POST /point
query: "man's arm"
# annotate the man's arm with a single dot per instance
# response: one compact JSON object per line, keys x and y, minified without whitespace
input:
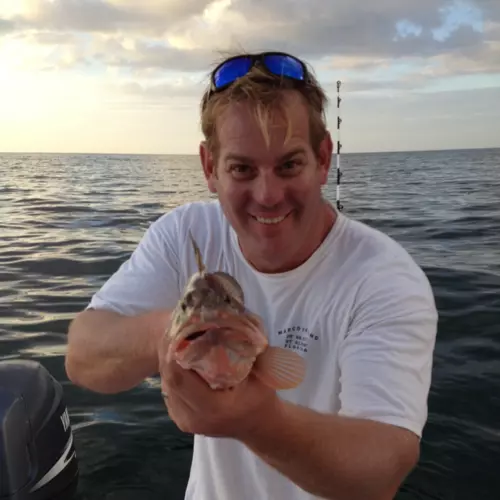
{"x":334,"y":457}
{"x":109,"y":352}
{"x":113,"y":345}
{"x":366,"y":450}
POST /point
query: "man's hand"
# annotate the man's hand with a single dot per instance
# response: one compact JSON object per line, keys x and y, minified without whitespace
{"x":198,"y":409}
{"x":326,"y":455}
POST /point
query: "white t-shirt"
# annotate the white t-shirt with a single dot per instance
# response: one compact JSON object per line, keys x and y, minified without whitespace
{"x":360,"y":311}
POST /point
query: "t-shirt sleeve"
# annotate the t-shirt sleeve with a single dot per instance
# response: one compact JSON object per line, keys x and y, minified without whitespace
{"x":149,"y":278}
{"x":386,"y":357}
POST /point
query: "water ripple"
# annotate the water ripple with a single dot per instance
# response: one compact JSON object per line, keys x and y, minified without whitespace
{"x":68,"y":221}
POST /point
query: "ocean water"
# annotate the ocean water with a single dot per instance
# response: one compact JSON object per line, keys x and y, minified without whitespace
{"x":68,"y":221}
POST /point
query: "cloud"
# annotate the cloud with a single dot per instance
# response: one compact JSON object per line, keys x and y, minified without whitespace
{"x":92,"y":16}
{"x":377,"y":29}
{"x":161,"y":92}
{"x":6,"y":26}
{"x":51,"y":38}
{"x":62,"y":15}
{"x":136,"y":53}
{"x":391,"y":44}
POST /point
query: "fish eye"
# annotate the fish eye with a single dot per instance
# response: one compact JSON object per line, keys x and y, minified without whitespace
{"x":188,"y":300}
{"x":184,"y":306}
{"x":227,"y":299}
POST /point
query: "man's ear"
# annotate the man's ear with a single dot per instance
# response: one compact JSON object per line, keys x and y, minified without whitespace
{"x":325,"y":157}
{"x":209,"y":167}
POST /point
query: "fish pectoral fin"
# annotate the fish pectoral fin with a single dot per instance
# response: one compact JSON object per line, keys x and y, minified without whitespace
{"x":280,"y":368}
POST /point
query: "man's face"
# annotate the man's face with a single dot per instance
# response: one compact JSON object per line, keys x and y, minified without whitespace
{"x":271,"y":195}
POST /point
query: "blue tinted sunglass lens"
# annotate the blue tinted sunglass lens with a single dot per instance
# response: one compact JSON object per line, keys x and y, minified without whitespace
{"x":284,"y":66}
{"x":231,"y":70}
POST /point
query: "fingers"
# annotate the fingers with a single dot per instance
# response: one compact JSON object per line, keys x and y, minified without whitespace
{"x":178,"y":411}
{"x":173,"y":376}
{"x":165,"y":352}
{"x":187,"y":386}
{"x":183,"y":381}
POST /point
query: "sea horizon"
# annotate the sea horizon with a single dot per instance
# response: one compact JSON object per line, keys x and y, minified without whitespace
{"x":342,"y":152}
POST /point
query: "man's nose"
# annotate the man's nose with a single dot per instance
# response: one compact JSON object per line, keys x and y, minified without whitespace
{"x":268,"y":190}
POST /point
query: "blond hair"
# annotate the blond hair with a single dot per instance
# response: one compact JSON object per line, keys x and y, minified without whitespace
{"x":266,"y":93}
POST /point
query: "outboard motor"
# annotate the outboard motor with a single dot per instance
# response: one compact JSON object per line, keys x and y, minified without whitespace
{"x":37,"y":454}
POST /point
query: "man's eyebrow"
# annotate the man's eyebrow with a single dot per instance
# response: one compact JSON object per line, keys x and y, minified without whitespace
{"x":292,"y":153}
{"x":238,"y":157}
{"x":250,"y":161}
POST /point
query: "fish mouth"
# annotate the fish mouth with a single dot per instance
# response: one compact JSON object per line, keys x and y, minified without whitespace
{"x":197,"y":330}
{"x":190,"y":334}
{"x":195,"y":335}
{"x":196,"y":326}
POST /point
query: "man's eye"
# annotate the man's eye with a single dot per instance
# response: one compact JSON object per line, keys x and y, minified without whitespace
{"x":241,"y":170}
{"x":290,"y":167}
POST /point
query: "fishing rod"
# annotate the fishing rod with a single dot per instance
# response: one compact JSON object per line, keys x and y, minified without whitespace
{"x":339,"y":146}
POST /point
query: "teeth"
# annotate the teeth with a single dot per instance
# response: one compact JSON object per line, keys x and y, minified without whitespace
{"x":273,"y":220}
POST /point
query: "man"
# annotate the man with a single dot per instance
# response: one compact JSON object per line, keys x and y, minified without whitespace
{"x":349,"y":299}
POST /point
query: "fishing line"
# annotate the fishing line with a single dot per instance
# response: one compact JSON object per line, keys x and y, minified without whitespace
{"x":340,"y":207}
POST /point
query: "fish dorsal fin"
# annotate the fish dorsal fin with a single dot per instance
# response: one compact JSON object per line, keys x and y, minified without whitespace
{"x":280,"y":368}
{"x":197,"y":254}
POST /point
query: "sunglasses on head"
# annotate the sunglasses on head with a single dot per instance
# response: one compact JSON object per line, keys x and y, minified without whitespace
{"x":276,"y":63}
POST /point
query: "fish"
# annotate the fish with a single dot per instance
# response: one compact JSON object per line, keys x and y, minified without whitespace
{"x":212,"y":332}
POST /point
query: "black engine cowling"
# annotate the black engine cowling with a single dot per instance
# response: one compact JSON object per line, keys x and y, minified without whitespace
{"x":37,"y":454}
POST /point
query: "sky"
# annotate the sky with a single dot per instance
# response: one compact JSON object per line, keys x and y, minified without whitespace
{"x":126,"y":76}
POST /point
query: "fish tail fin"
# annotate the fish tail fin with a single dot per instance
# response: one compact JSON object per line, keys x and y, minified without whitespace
{"x":280,"y":368}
